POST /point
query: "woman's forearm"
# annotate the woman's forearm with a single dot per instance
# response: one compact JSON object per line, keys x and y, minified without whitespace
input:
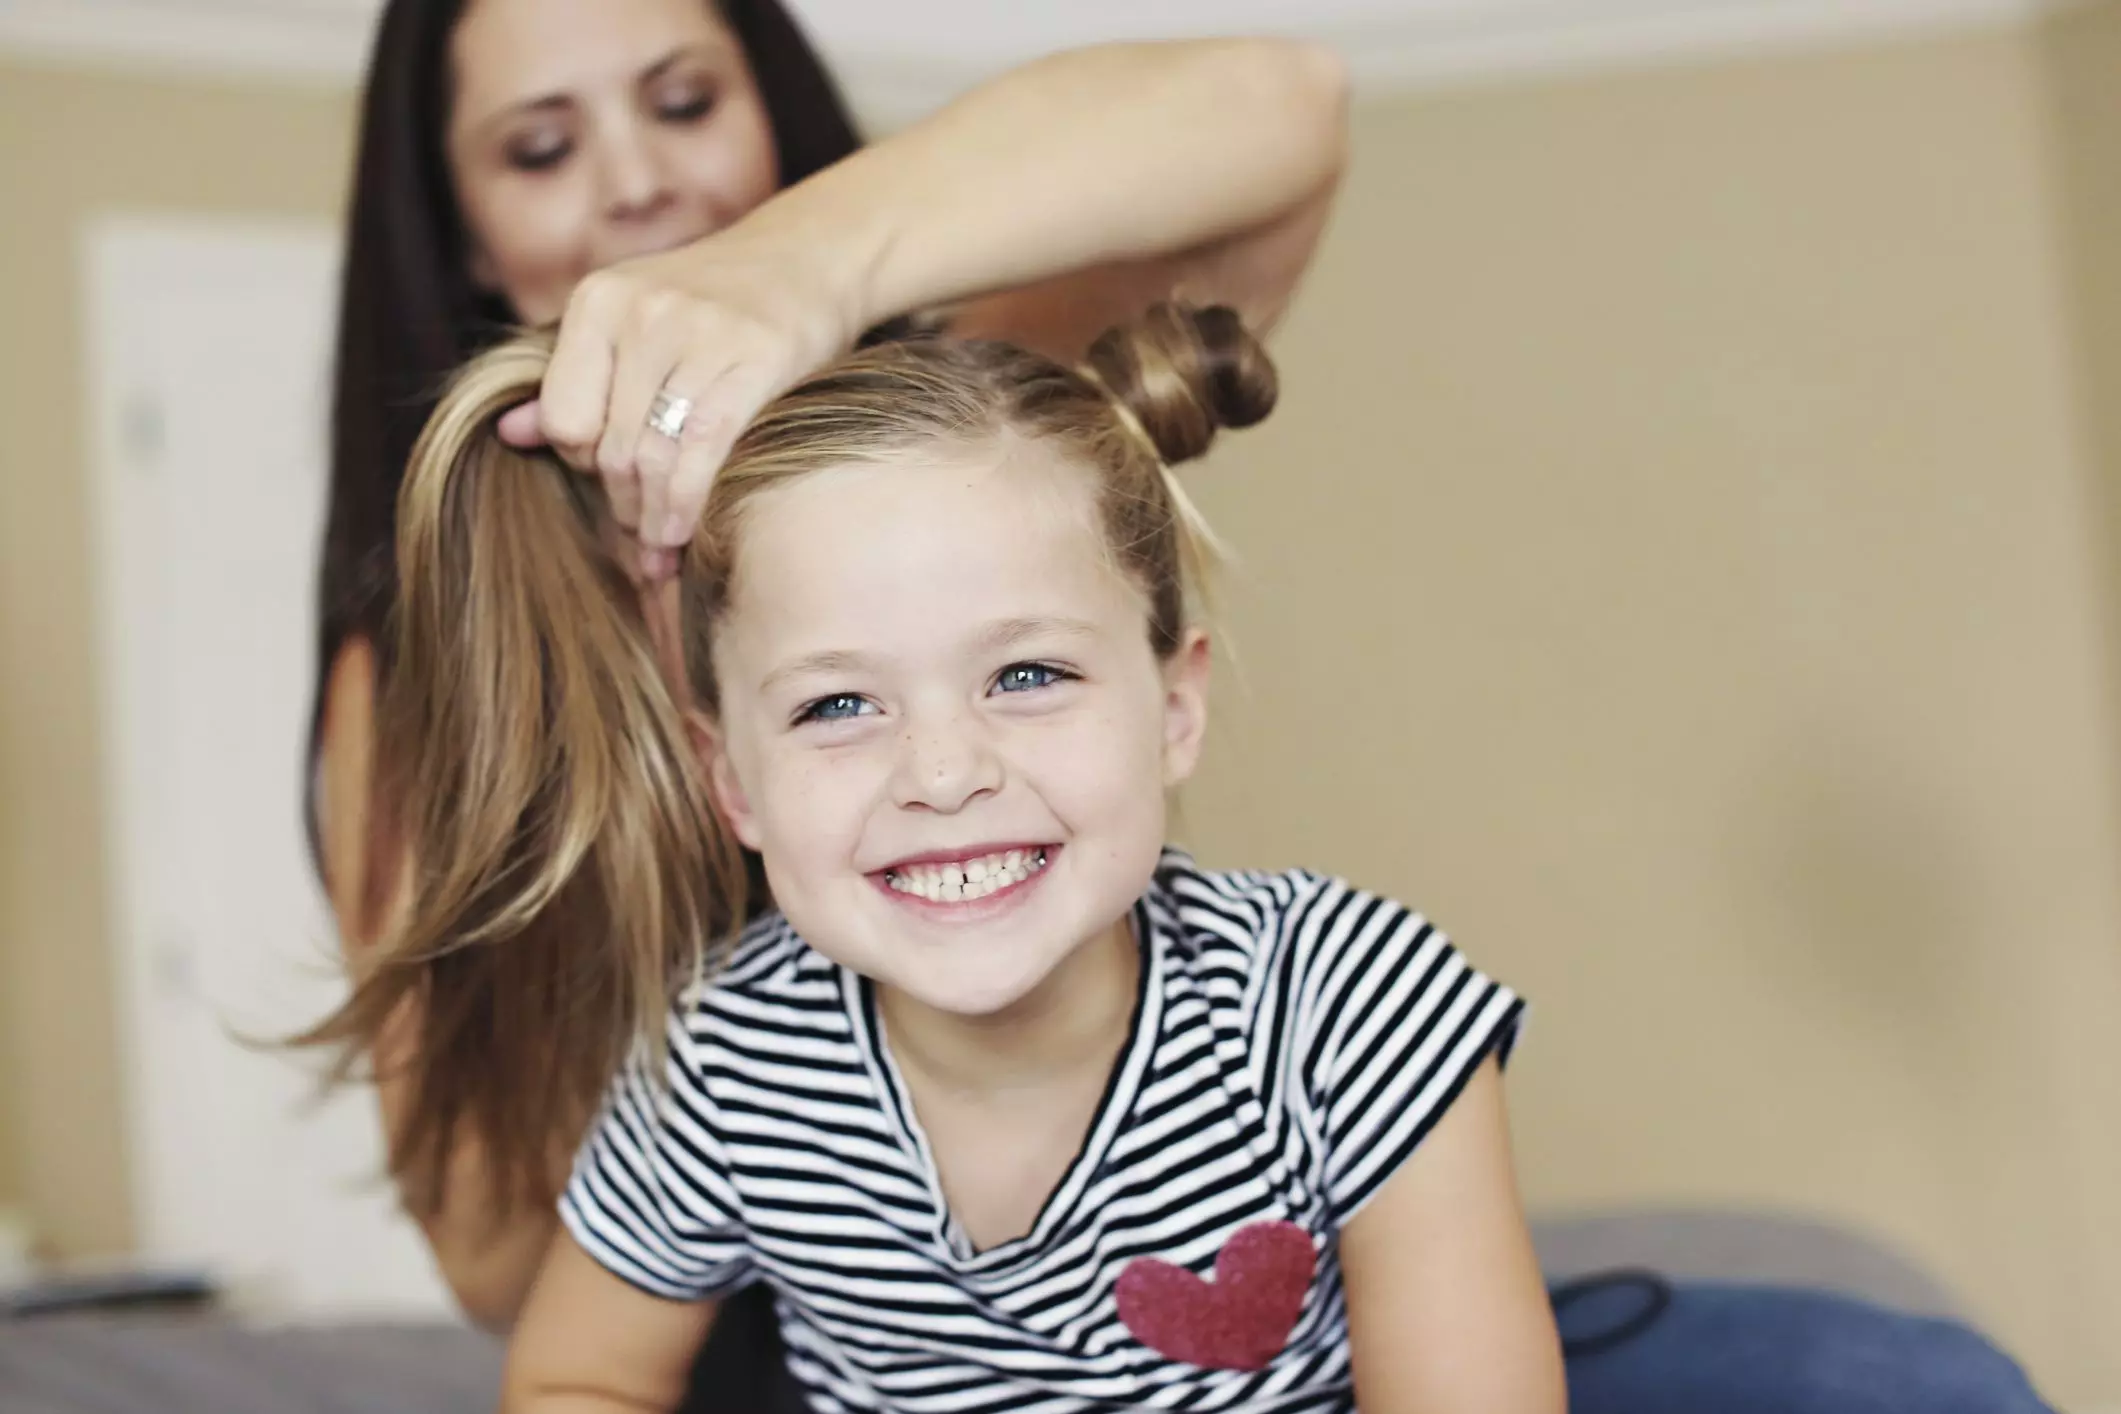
{"x":1099,"y":156}
{"x":489,"y":1272}
{"x":488,"y":1261}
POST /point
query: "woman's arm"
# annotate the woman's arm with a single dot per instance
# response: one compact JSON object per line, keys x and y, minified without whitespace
{"x":590,"y":1344}
{"x":1447,"y":1312}
{"x":489,"y":1268}
{"x":1090,"y":184}
{"x":1255,"y":273}
{"x":1207,"y":165}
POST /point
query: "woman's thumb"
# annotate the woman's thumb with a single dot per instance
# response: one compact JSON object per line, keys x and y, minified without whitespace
{"x":522,"y":426}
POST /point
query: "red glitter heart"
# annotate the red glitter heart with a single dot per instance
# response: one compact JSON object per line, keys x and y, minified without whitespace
{"x":1240,"y":1320}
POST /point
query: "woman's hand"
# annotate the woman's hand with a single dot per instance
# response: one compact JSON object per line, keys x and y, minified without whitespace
{"x":696,"y":341}
{"x":1207,"y":165}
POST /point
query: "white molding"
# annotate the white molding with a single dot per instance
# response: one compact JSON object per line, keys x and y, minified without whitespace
{"x":1429,"y":51}
{"x":1645,"y":33}
{"x":1425,"y":46}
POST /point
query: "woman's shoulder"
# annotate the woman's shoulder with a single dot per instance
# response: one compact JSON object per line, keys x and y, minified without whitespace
{"x":346,"y":702}
{"x":343,"y":778}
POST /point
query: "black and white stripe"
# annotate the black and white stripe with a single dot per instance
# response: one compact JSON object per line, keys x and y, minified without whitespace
{"x":1296,"y":1039}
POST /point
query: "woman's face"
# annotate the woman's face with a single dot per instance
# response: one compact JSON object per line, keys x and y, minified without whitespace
{"x":583,"y":132}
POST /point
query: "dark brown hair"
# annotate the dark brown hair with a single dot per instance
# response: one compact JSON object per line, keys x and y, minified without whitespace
{"x":409,"y":313}
{"x":568,"y":869}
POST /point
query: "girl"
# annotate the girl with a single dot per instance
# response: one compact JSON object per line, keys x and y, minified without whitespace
{"x":678,"y":184}
{"x":1011,"y":1105}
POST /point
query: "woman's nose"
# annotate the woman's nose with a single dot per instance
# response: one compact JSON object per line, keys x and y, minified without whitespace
{"x":630,"y":175}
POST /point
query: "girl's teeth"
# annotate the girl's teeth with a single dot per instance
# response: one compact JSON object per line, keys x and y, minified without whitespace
{"x":967,"y":880}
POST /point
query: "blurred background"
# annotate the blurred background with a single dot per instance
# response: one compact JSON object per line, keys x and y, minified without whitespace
{"x":1687,"y":563}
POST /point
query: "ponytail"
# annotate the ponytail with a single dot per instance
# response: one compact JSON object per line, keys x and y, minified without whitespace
{"x":559,"y":866}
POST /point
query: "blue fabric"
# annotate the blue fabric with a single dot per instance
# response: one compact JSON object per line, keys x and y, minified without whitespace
{"x":1719,"y":1349}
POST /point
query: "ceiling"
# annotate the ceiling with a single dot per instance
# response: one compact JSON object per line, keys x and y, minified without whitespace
{"x":901,"y":56}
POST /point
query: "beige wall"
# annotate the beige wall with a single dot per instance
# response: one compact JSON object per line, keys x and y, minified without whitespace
{"x":1670,"y":568}
{"x":78,"y":145}
{"x":2083,"y":52}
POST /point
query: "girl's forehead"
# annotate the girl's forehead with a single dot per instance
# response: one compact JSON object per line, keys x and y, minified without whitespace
{"x":949,"y":487}
{"x":941,"y":531}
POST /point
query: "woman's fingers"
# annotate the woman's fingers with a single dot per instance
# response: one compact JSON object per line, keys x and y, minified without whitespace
{"x":648,"y":400}
{"x":643,"y":564}
{"x":577,"y":389}
{"x":731,"y":402}
{"x":636,"y":451}
{"x":686,"y":409}
{"x":523,"y":426}
{"x":651,"y":382}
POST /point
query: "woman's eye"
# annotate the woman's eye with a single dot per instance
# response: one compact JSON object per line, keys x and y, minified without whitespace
{"x":837,"y":708}
{"x":686,"y":108}
{"x":537,"y":156}
{"x":1028,"y":677}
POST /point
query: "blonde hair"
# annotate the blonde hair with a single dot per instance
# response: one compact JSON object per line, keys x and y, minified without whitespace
{"x":566,"y":871}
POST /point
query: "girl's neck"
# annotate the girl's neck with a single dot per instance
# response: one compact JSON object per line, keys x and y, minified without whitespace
{"x":1076,"y":1021}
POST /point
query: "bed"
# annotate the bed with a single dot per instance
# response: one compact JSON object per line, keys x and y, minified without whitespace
{"x":213,"y":1364}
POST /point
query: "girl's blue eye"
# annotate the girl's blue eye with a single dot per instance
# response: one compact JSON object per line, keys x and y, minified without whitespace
{"x":1028,"y":677}
{"x":839,"y":707}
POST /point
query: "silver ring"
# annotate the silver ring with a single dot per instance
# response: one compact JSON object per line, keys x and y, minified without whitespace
{"x":668,"y":412}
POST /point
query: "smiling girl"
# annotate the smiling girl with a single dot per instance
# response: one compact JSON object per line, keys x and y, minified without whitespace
{"x":1011,"y":1104}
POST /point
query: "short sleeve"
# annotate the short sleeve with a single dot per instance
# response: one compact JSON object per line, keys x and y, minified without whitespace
{"x":651,"y":1197}
{"x":1394,"y":1021}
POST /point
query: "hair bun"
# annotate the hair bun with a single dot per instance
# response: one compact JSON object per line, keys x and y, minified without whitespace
{"x":1185,"y":374}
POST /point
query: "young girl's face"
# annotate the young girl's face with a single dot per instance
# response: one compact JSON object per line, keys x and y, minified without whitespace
{"x":942,"y":722}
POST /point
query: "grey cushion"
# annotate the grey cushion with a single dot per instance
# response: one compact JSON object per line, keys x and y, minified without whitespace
{"x":1708,"y":1245}
{"x":91,"y":1365}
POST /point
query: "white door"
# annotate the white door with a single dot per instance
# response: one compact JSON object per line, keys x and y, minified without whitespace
{"x":209,"y":356}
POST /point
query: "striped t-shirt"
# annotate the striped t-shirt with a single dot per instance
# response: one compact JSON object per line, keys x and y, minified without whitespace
{"x":1294,"y":1040}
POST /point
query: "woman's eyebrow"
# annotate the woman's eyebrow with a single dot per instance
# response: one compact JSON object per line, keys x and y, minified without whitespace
{"x":562,"y":98}
{"x":668,"y":61}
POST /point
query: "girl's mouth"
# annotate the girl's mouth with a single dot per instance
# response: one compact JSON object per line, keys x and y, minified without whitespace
{"x":968,"y":880}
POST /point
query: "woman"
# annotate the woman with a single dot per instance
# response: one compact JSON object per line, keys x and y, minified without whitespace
{"x":677,"y":182}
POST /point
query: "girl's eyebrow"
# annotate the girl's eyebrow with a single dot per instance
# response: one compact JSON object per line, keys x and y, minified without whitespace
{"x":832,"y":660}
{"x":1007,"y":633}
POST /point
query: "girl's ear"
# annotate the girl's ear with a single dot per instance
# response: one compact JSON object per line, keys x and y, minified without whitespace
{"x":723,"y":785}
{"x":1186,"y":674}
